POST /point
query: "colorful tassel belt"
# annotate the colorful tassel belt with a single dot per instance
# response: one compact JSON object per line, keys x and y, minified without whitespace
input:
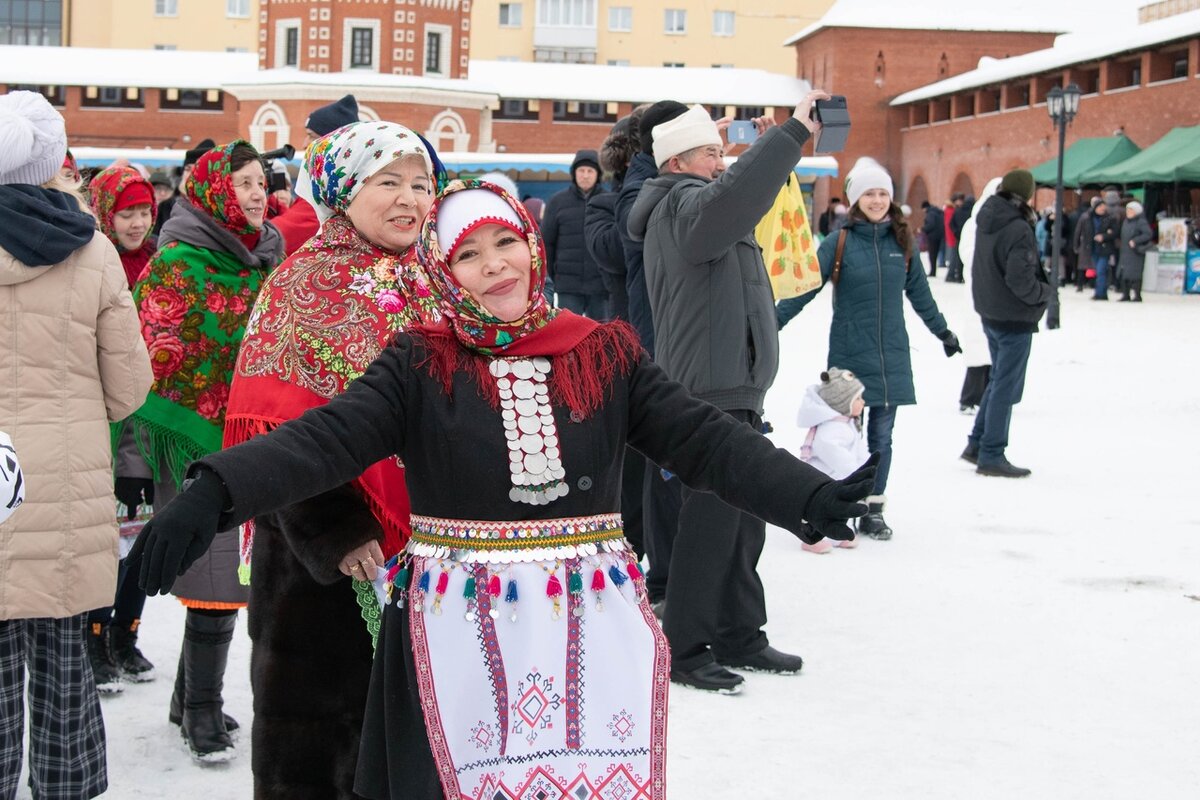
{"x":491,"y":542}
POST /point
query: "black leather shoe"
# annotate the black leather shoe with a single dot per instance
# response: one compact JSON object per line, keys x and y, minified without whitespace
{"x":710,"y":677}
{"x":767,"y":660}
{"x":1003,"y":469}
{"x":971,"y":454}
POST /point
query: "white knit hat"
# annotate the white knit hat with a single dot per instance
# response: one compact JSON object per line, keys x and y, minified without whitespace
{"x":462,"y":212}
{"x":33,"y":139}
{"x":693,"y":128}
{"x":867,"y":174}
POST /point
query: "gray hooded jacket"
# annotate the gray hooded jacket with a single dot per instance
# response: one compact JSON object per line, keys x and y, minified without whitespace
{"x":714,"y":312}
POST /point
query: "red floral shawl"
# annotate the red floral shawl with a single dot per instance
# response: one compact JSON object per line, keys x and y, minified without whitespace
{"x":319,"y":321}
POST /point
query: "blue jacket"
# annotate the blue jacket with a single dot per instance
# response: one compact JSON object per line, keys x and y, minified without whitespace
{"x":868,"y":335}
{"x":641,"y":169}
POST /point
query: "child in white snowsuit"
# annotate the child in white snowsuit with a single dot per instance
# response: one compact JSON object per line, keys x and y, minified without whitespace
{"x":832,"y":412}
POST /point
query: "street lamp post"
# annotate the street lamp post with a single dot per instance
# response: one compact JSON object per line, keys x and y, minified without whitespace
{"x":1062,"y":105}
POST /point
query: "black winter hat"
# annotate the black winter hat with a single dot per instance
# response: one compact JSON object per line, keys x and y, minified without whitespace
{"x":193,"y":155}
{"x":585,"y":158}
{"x":328,"y":119}
{"x":657,"y":114}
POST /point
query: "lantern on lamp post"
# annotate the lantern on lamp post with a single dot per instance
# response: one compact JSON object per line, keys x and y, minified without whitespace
{"x":1062,"y":105}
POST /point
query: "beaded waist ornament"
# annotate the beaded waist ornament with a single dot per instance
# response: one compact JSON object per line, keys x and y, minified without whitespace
{"x":486,"y":549}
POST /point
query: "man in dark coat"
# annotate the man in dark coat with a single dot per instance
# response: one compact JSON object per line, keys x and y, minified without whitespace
{"x":933,"y":227}
{"x":962,"y":213}
{"x":576,"y":275}
{"x":714,"y":322}
{"x":1101,"y":230}
{"x":1011,"y":292}
{"x":825,"y":221}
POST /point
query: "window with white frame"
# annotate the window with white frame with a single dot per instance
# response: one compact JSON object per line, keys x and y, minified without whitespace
{"x":620,"y":18}
{"x":675,"y":20}
{"x":287,"y":43}
{"x":166,"y":8}
{"x":239,"y":9}
{"x":673,"y":64}
{"x":510,"y":15}
{"x":567,"y":13}
{"x":438,"y":39}
{"x":360,"y":44}
{"x":723,"y":23}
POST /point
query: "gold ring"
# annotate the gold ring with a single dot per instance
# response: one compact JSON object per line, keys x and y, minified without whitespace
{"x":354,"y":567}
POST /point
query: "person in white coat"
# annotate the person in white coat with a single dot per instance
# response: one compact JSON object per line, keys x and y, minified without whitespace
{"x":975,"y":348}
{"x":832,"y":412}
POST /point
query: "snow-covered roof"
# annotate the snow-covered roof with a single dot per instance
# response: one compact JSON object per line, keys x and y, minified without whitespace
{"x":355,"y":79}
{"x":98,"y":66}
{"x":600,"y":83}
{"x":1076,"y":48}
{"x":1036,"y":16}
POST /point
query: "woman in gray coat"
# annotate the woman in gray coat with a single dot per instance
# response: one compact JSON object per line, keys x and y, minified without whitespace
{"x":1136,"y":237}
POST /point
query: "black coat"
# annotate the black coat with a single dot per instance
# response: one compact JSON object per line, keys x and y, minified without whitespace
{"x":960,"y":216}
{"x":934,"y":228}
{"x":1009,"y":286}
{"x":456,"y":459}
{"x":1107,"y":227}
{"x":603,"y":242}
{"x":641,"y":169}
{"x":572,"y":268}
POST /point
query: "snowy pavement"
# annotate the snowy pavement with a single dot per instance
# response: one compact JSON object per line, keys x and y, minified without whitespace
{"x":1036,"y":638}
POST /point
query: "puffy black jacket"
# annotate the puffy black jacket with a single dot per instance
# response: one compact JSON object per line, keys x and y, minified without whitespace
{"x":1008,"y":284}
{"x":572,"y":268}
{"x":603,"y":242}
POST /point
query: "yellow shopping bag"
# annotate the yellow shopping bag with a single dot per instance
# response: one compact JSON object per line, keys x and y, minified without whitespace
{"x":787,"y":244}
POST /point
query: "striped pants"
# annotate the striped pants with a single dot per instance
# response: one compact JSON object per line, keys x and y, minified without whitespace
{"x":67,"y":758}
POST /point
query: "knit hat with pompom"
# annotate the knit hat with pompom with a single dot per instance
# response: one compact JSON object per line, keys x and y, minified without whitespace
{"x":33,"y":139}
{"x":839,"y":388}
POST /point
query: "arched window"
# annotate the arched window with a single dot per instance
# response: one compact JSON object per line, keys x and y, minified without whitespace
{"x":269,"y":121}
{"x":448,"y":125}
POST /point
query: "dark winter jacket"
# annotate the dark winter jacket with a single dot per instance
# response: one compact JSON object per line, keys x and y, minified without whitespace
{"x":867,"y":335}
{"x":934,"y":229}
{"x":572,"y":268}
{"x":641,"y":169}
{"x":603,"y":242}
{"x":709,"y":291}
{"x":1133,"y":259}
{"x":397,"y":407}
{"x":1107,"y":227}
{"x":1008,"y":284}
{"x":961,"y":215}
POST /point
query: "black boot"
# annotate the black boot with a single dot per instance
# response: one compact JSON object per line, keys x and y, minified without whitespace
{"x":175,"y":710}
{"x":1137,"y":295}
{"x":872,"y":523}
{"x":104,"y":669}
{"x":205,"y":652}
{"x":133,"y":665}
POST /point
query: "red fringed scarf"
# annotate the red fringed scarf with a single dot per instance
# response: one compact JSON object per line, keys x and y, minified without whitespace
{"x":585,"y":358}
{"x":320,"y":320}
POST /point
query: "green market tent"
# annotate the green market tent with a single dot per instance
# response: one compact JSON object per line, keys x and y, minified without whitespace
{"x":1085,"y":156}
{"x":1175,"y":158}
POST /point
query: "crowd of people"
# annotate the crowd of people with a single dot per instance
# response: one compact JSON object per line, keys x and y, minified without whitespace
{"x":441,"y":440}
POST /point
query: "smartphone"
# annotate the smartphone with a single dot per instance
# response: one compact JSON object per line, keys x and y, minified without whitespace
{"x":834,"y":118}
{"x":741,"y":131}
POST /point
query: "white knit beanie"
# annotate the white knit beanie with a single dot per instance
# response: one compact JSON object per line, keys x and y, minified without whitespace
{"x":460,"y":213}
{"x":867,"y":174}
{"x":693,"y":128}
{"x":33,"y":139}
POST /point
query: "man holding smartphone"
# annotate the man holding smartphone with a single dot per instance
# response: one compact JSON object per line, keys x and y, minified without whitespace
{"x":715,"y":333}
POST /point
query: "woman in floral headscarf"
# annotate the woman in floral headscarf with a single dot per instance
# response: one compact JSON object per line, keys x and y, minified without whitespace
{"x":123,"y":202}
{"x":320,"y":320}
{"x":194,"y":301}
{"x":518,"y":655}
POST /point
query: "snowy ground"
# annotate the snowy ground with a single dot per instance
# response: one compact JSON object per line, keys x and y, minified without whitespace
{"x":1035,"y":638}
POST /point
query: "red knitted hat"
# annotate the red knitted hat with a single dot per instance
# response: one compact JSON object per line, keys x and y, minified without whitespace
{"x":135,"y":194}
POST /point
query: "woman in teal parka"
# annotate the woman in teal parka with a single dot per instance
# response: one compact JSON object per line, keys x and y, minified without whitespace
{"x":879,"y":266}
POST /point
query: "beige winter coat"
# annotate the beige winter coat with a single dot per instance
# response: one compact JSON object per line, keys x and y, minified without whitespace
{"x":72,"y":360}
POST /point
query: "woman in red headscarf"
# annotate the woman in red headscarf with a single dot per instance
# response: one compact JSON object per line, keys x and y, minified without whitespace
{"x":123,"y":202}
{"x":518,"y":655}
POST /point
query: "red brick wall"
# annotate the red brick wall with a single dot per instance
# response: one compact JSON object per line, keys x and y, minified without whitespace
{"x":149,"y":126}
{"x":846,"y":61}
{"x":401,"y":30}
{"x":980,"y":148}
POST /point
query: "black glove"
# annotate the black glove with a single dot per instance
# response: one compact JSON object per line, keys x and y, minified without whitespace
{"x":950,"y":344}
{"x":133,"y":492}
{"x":179,"y":533}
{"x":836,"y":501}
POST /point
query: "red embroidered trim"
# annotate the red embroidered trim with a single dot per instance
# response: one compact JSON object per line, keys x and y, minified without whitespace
{"x":425,"y":688}
{"x":573,"y":688}
{"x":661,"y":682}
{"x":491,"y":649}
